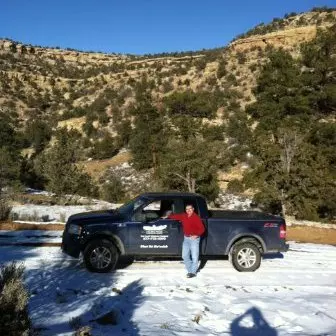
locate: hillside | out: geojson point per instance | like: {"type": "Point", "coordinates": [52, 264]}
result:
{"type": "Point", "coordinates": [69, 83]}
{"type": "Point", "coordinates": [100, 100]}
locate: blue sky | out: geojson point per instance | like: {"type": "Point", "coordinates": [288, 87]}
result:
{"type": "Point", "coordinates": [142, 26]}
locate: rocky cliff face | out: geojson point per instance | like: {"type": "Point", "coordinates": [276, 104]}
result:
{"type": "Point", "coordinates": [287, 39]}
{"type": "Point", "coordinates": [68, 55]}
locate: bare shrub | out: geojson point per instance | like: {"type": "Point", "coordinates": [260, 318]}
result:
{"type": "Point", "coordinates": [62, 217]}
{"type": "Point", "coordinates": [45, 218]}
{"type": "Point", "coordinates": [235, 186]}
{"type": "Point", "coordinates": [5, 209]}
{"type": "Point", "coordinates": [14, 319]}
{"type": "Point", "coordinates": [30, 217]}
{"type": "Point", "coordinates": [75, 322]}
{"type": "Point", "coordinates": [83, 331]}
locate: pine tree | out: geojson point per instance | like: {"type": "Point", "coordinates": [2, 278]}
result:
{"type": "Point", "coordinates": [292, 143]}
{"type": "Point", "coordinates": [190, 166]}
{"type": "Point", "coordinates": [149, 134]}
{"type": "Point", "coordinates": [59, 167]}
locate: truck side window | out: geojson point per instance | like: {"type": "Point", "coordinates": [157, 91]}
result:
{"type": "Point", "coordinates": [150, 211]}
{"type": "Point", "coordinates": [178, 206]}
{"type": "Point", "coordinates": [154, 206]}
{"type": "Point", "coordinates": [167, 207]}
{"type": "Point", "coordinates": [154, 210]}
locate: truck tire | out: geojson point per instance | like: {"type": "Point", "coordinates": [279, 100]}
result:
{"type": "Point", "coordinates": [246, 257]}
{"type": "Point", "coordinates": [100, 256]}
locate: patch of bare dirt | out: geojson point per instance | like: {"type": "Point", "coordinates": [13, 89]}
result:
{"type": "Point", "coordinates": [96, 168]}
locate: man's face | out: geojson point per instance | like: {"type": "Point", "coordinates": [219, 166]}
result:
{"type": "Point", "coordinates": [189, 210]}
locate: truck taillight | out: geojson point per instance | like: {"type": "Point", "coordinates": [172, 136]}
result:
{"type": "Point", "coordinates": [283, 231]}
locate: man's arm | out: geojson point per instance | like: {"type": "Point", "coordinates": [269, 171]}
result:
{"type": "Point", "coordinates": [176, 216]}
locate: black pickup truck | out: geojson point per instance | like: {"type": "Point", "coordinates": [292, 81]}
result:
{"type": "Point", "coordinates": [139, 228]}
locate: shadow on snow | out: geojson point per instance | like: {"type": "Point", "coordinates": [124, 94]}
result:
{"type": "Point", "coordinates": [61, 289]}
{"type": "Point", "coordinates": [65, 291]}
{"type": "Point", "coordinates": [259, 326]}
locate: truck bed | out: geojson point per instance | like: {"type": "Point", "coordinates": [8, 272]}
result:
{"type": "Point", "coordinates": [234, 214]}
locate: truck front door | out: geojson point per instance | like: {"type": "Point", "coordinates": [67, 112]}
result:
{"type": "Point", "coordinates": [151, 234]}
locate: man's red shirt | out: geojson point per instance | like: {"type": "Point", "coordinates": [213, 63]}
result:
{"type": "Point", "coordinates": [192, 226]}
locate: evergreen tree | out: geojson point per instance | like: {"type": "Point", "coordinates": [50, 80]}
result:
{"type": "Point", "coordinates": [124, 130]}
{"type": "Point", "coordinates": [149, 134]}
{"type": "Point", "coordinates": [190, 166]}
{"type": "Point", "coordinates": [318, 57]}
{"type": "Point", "coordinates": [112, 189]}
{"type": "Point", "coordinates": [9, 168]}
{"type": "Point", "coordinates": [293, 145]}
{"type": "Point", "coordinates": [105, 148]}
{"type": "Point", "coordinates": [239, 136]}
{"type": "Point", "coordinates": [58, 165]}
{"type": "Point", "coordinates": [9, 151]}
{"type": "Point", "coordinates": [8, 134]}
{"type": "Point", "coordinates": [189, 103]}
{"type": "Point", "coordinates": [279, 93]}
{"type": "Point", "coordinates": [38, 134]}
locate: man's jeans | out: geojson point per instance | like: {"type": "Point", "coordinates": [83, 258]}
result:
{"type": "Point", "coordinates": [190, 253]}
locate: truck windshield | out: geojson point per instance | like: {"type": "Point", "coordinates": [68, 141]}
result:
{"type": "Point", "coordinates": [133, 205]}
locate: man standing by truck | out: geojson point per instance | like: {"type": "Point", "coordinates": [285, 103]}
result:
{"type": "Point", "coordinates": [193, 229]}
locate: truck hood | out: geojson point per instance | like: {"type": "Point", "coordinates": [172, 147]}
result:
{"type": "Point", "coordinates": [94, 217]}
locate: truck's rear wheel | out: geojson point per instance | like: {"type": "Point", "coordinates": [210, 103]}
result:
{"type": "Point", "coordinates": [100, 256]}
{"type": "Point", "coordinates": [246, 257]}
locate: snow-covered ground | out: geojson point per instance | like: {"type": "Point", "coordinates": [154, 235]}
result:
{"type": "Point", "coordinates": [52, 214]}
{"type": "Point", "coordinates": [291, 294]}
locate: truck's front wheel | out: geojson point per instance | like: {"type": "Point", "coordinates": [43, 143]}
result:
{"type": "Point", "coordinates": [246, 257]}
{"type": "Point", "coordinates": [100, 256]}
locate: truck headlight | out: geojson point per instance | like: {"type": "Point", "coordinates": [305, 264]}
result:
{"type": "Point", "coordinates": [75, 229]}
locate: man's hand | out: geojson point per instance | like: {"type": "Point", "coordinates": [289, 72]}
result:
{"type": "Point", "coordinates": [166, 214]}
{"type": "Point", "coordinates": [193, 237]}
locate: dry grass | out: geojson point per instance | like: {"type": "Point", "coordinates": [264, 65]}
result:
{"type": "Point", "coordinates": [307, 234]}
{"type": "Point", "coordinates": [96, 168]}
{"type": "Point", "coordinates": [73, 123]}
{"type": "Point", "coordinates": [22, 198]}
{"type": "Point", "coordinates": [236, 172]}
{"type": "Point", "coordinates": [14, 319]}
{"type": "Point", "coordinates": [11, 226]}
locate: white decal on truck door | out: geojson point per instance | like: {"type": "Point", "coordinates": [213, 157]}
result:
{"type": "Point", "coordinates": [154, 233]}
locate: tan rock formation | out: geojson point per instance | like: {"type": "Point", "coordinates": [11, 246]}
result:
{"type": "Point", "coordinates": [287, 38]}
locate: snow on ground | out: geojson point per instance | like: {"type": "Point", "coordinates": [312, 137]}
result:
{"type": "Point", "coordinates": [44, 214]}
{"type": "Point", "coordinates": [229, 201]}
{"type": "Point", "coordinates": [291, 294]}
